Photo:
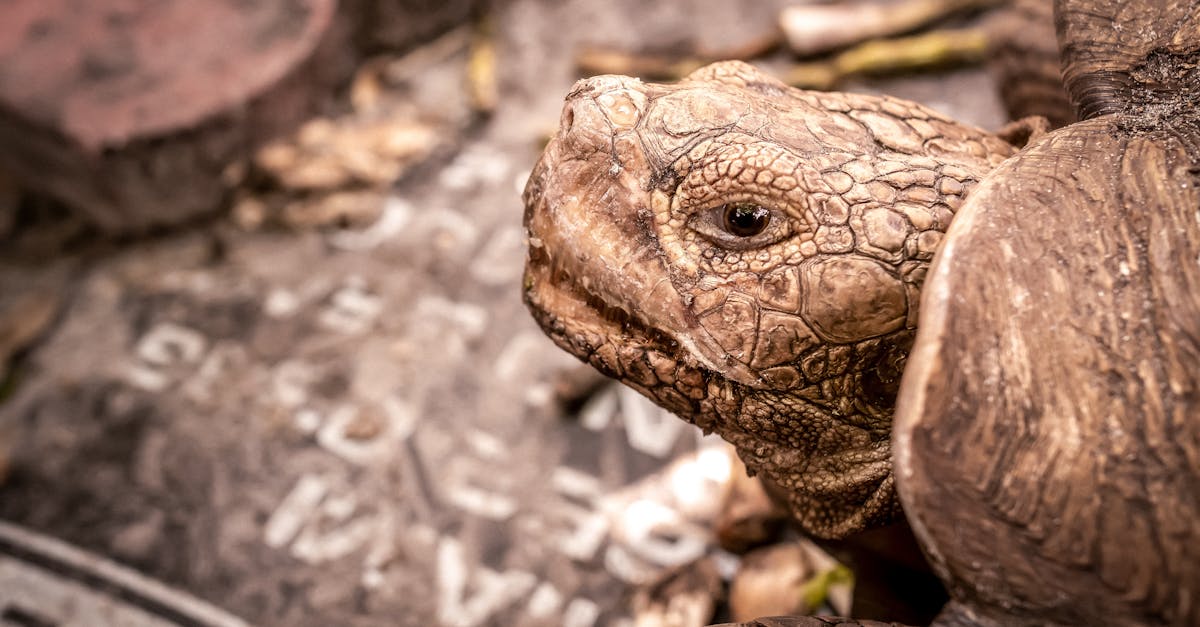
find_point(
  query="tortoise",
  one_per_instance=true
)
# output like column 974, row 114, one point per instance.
column 895, row 316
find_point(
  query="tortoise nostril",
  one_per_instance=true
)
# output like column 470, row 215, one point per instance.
column 568, row 119
column 583, row 123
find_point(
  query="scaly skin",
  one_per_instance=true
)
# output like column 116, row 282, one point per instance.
column 788, row 342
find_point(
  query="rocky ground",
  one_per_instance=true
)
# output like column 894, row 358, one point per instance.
column 329, row 407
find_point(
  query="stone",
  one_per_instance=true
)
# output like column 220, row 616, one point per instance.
column 131, row 112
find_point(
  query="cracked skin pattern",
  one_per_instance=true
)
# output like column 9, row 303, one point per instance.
column 749, row 256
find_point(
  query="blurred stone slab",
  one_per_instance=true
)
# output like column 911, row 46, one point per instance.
column 131, row 110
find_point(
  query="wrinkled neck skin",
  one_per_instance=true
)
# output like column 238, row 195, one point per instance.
column 788, row 341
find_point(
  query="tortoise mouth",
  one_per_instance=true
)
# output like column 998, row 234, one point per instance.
column 582, row 320
column 566, row 297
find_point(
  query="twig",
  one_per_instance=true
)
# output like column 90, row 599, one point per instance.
column 813, row 29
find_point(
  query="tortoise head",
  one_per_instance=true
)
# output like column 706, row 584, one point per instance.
column 749, row 256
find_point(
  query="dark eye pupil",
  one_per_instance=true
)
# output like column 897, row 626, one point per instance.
column 745, row 219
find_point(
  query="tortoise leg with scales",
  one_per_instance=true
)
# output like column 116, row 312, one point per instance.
column 754, row 257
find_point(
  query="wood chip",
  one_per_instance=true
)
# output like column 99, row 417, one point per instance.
column 684, row 597
column 748, row 518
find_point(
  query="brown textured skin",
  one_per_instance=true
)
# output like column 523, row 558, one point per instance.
column 1103, row 41
column 790, row 347
column 1048, row 429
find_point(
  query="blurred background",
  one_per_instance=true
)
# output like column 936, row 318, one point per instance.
column 263, row 357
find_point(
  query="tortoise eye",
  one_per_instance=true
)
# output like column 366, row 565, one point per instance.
column 745, row 219
column 742, row 225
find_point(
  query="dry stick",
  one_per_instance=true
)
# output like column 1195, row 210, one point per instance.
column 934, row 49
column 813, row 29
column 593, row 61
column 406, row 67
column 906, row 54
